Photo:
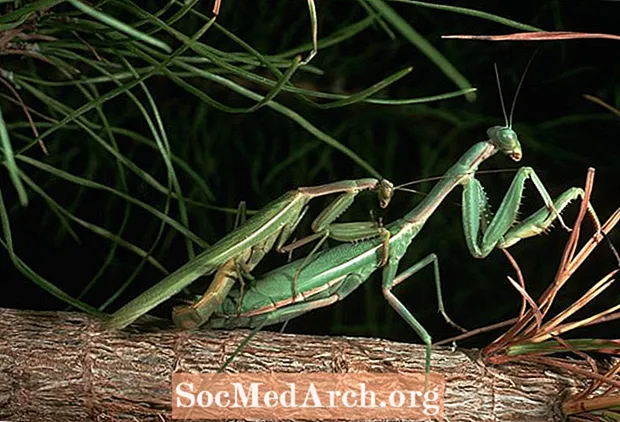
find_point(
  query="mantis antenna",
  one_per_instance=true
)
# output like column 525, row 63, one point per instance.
column 514, row 100
column 501, row 97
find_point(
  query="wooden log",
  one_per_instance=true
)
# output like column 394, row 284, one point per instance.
column 62, row 366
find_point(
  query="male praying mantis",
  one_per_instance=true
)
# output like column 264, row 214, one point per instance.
column 332, row 275
column 243, row 248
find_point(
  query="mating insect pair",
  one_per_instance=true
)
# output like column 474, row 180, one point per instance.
column 331, row 275
column 323, row 278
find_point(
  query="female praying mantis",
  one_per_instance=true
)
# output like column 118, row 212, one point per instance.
column 243, row 248
column 331, row 275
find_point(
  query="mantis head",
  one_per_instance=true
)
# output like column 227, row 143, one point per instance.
column 503, row 137
column 385, row 190
column 506, row 140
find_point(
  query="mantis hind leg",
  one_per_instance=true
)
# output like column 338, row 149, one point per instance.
column 189, row 317
column 390, row 280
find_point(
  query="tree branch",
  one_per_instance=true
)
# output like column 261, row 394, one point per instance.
column 62, row 366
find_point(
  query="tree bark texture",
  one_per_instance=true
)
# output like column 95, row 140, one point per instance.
column 61, row 366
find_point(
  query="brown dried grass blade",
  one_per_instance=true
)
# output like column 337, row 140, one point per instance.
column 475, row 332
column 595, row 385
column 216, row 7
column 572, row 407
column 526, row 297
column 521, row 326
column 536, row 36
column 587, row 297
column 602, row 103
column 519, row 273
column 604, row 316
column 571, row 367
column 569, row 251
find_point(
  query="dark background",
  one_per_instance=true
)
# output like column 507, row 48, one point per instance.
column 257, row 157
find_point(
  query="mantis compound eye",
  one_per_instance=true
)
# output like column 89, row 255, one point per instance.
column 507, row 137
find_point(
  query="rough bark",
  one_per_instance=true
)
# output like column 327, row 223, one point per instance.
column 62, row 366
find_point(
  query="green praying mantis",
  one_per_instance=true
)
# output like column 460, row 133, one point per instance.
column 241, row 250
column 331, row 275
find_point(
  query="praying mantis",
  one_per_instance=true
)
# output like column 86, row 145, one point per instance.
column 331, row 275
column 242, row 249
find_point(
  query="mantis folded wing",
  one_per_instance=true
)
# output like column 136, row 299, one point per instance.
column 273, row 225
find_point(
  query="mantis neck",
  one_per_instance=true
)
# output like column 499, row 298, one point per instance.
column 458, row 174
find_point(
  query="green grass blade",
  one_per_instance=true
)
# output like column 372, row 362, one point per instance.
column 277, row 88
column 421, row 100
column 80, row 181
column 10, row 163
column 423, row 45
column 28, row 272
column 472, row 12
column 23, row 13
column 120, row 26
column 106, row 234
column 296, row 117
column 364, row 94
column 377, row 17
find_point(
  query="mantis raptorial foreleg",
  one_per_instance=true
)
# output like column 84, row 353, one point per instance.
column 498, row 233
